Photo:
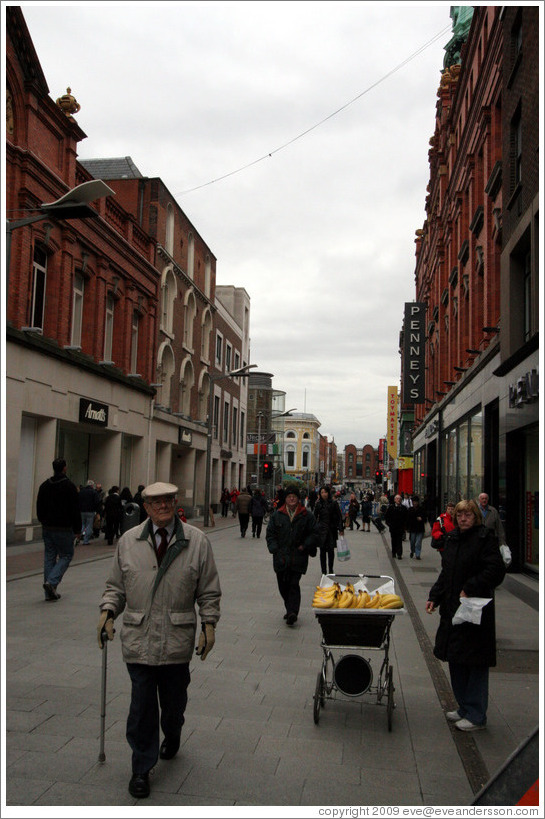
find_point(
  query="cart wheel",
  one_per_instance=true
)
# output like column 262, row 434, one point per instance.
column 390, row 705
column 318, row 697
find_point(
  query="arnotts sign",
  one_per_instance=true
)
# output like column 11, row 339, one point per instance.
column 414, row 359
column 92, row 413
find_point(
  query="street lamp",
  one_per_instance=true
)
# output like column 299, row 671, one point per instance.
column 261, row 415
column 241, row 372
column 75, row 204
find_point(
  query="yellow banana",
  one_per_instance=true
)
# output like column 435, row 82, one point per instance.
column 345, row 600
column 363, row 599
column 375, row 601
column 393, row 604
column 322, row 604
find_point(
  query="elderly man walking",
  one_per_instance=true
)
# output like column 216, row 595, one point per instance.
column 161, row 570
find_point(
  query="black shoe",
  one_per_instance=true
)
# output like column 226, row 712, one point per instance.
column 51, row 592
column 291, row 618
column 139, row 786
column 411, row 554
column 169, row 748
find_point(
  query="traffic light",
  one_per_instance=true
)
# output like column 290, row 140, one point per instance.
column 267, row 469
column 378, row 477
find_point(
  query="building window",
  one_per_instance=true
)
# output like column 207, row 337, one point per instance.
column 134, row 342
column 109, row 328
column 207, row 276
column 235, row 427
column 169, row 237
column 39, row 274
column 206, row 329
column 350, row 458
column 306, row 435
column 242, row 426
column 290, row 434
column 190, row 309
column 191, row 256
column 306, row 459
column 226, row 423
column 516, row 150
column 168, row 295
column 77, row 309
column 290, row 456
column 166, row 371
column 367, row 456
column 216, row 414
column 186, row 385
column 527, row 297
column 228, row 352
column 219, row 350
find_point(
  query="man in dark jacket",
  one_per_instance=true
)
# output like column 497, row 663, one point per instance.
column 57, row 509
column 88, row 505
column 242, row 505
column 292, row 537
column 396, row 520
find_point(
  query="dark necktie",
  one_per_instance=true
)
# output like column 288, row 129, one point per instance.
column 162, row 547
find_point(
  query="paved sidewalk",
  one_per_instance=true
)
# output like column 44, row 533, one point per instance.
column 250, row 737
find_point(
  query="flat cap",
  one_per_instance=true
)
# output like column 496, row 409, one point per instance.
column 156, row 490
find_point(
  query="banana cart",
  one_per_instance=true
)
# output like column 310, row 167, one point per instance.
column 360, row 632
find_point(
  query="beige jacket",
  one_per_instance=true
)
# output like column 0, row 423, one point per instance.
column 158, row 604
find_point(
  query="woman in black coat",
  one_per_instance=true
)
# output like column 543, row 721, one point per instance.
column 330, row 526
column 471, row 566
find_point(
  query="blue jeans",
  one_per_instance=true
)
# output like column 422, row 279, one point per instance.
column 87, row 519
column 415, row 539
column 470, row 688
column 57, row 544
column 169, row 682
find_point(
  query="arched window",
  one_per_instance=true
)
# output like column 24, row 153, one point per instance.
column 204, row 395
column 187, row 379
column 109, row 328
column 306, row 435
column 206, row 332
column 168, row 296
column 165, row 369
column 77, row 309
column 290, row 434
column 190, row 310
column 306, row 457
column 290, row 456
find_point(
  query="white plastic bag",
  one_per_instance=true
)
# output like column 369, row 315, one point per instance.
column 343, row 552
column 470, row 610
column 506, row 555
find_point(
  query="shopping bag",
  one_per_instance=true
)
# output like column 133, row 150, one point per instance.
column 343, row 552
column 506, row 555
column 470, row 610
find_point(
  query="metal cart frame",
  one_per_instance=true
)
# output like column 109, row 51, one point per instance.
column 360, row 630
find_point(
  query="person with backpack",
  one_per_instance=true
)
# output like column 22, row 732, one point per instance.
column 442, row 526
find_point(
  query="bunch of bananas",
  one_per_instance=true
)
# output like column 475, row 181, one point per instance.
column 333, row 597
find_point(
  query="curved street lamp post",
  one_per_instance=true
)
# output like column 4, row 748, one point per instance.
column 242, row 372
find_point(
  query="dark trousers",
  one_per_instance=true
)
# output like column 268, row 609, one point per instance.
column 288, row 586
column 149, row 682
column 257, row 523
column 396, row 536
column 470, row 688
column 243, row 519
column 327, row 554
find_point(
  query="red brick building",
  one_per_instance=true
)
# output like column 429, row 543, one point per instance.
column 360, row 465
column 480, row 283
column 110, row 320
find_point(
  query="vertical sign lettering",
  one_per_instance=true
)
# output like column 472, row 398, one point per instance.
column 414, row 360
column 392, row 421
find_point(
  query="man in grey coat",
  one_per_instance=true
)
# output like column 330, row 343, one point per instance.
column 161, row 570
column 491, row 518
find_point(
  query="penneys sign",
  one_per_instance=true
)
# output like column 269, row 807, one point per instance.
column 414, row 360
column 90, row 412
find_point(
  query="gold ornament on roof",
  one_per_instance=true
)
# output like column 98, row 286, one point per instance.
column 68, row 104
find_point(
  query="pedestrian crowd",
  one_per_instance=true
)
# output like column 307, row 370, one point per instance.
column 163, row 579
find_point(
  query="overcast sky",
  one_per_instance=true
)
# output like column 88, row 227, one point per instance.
column 318, row 227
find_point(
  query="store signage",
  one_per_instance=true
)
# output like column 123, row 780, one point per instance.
column 524, row 391
column 392, row 421
column 414, row 359
column 264, row 438
column 185, row 436
column 432, row 429
column 91, row 412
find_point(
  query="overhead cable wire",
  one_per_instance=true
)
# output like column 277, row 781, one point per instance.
column 325, row 119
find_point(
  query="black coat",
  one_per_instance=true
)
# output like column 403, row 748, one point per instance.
column 284, row 536
column 413, row 522
column 57, row 504
column 396, row 517
column 330, row 520
column 471, row 562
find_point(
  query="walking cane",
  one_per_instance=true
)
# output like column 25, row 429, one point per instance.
column 102, row 755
